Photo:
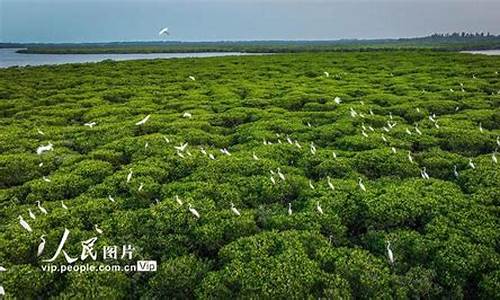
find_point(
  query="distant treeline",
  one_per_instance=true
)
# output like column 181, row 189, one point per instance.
column 447, row 41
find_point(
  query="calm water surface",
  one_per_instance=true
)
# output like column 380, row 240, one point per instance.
column 485, row 52
column 9, row 57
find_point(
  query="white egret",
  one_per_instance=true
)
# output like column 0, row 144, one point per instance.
column 40, row 164
column 330, row 184
column 390, row 115
column 41, row 246
column 180, row 154
column 393, row 150
column 436, row 125
column 409, row 157
column 2, row 291
column 187, row 115
column 192, row 78
column 418, row 109
column 24, row 224
column 408, row 131
column 326, row 74
column 309, row 124
column 182, row 147
column 471, row 164
column 289, row 208
column 363, row 126
column 494, row 156
column 432, row 118
column 140, row 187
column 63, row 205
column 39, row 131
column 498, row 140
column 455, row 172
column 143, row 121
column 273, row 180
column 235, row 210
column 99, row 230
column 385, row 129
column 371, row 112
column 452, row 90
column 178, row 200
column 364, row 133
column 281, row 174
column 45, row 179
column 2, row 269
column 361, row 185
column 424, row 174
column 166, row 139
column 42, row 149
column 337, row 100
column 297, row 144
column 31, row 214
column 318, row 208
column 334, row 154
column 254, row 156
column 193, row 211
column 211, row 156
column 480, row 127
column 203, row 151
column 353, row 112
column 90, row 124
column 289, row 140
column 111, row 198
column 225, row 151
column 164, row 31
column 384, row 138
column 41, row 208
column 418, row 130
column 129, row 176
column 311, row 184
column 371, row 129
column 389, row 253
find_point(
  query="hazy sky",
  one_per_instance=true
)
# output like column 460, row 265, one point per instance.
column 129, row 20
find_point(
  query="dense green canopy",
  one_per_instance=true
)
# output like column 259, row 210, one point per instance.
column 443, row 231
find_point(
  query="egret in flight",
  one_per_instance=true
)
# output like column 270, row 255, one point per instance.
column 235, row 210
column 24, row 224
column 41, row 208
column 164, row 31
column 143, row 121
column 41, row 246
column 91, row 124
column 193, row 211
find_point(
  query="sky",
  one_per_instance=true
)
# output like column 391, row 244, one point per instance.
column 203, row 20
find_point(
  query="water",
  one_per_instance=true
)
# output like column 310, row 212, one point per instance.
column 9, row 57
column 485, row 52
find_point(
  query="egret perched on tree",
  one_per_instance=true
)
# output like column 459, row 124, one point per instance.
column 289, row 208
column 41, row 246
column 409, row 157
column 42, row 149
column 424, row 174
column 408, row 131
column 99, row 230
column 455, row 172
column 187, row 115
column 384, row 138
column 330, row 184
column 418, row 130
column 24, row 224
column 45, row 179
column 337, row 100
column 178, row 200
column 111, row 198
column 480, row 127
column 164, row 31
column 39, row 131
column 192, row 78
column 143, row 121
column 273, row 180
column 318, row 208
column 326, row 74
column 41, row 208
column 2, row 291
column 254, row 156
column 393, row 150
column 311, row 184
column 129, row 176
column 313, row 148
column 471, row 164
column 364, row 133
column 211, row 156
column 361, row 185
column 90, row 124
column 193, row 211
column 31, row 214
column 63, row 205
column 498, row 140
column 234, row 210
column 494, row 156
column 281, row 174
column 389, row 253
column 140, row 187
column 2, row 269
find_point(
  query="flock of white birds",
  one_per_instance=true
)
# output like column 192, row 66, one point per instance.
column 182, row 150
